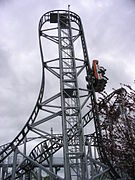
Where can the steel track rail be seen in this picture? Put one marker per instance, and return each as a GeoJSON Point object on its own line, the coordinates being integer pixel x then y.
{"type": "Point", "coordinates": [20, 137]}
{"type": "Point", "coordinates": [100, 104]}
{"type": "Point", "coordinates": [52, 144]}
{"type": "Point", "coordinates": [9, 148]}
{"type": "Point", "coordinates": [49, 146]}
{"type": "Point", "coordinates": [100, 147]}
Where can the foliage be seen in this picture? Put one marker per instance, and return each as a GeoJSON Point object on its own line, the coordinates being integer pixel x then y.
{"type": "Point", "coordinates": [117, 120]}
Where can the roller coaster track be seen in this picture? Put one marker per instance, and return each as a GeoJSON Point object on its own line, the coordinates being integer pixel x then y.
{"type": "Point", "coordinates": [48, 147]}
{"type": "Point", "coordinates": [8, 149]}
{"type": "Point", "coordinates": [52, 144]}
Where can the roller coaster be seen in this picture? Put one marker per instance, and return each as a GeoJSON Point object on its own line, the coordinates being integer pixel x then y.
{"type": "Point", "coordinates": [64, 136]}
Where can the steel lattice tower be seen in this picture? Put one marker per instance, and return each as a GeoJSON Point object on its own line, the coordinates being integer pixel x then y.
{"type": "Point", "coordinates": [71, 102]}
{"type": "Point", "coordinates": [74, 154]}
{"type": "Point", "coordinates": [75, 163]}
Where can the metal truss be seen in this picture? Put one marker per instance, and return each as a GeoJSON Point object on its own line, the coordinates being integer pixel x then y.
{"type": "Point", "coordinates": [68, 106]}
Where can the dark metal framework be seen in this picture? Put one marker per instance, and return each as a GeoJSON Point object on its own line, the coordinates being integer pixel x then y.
{"type": "Point", "coordinates": [72, 104]}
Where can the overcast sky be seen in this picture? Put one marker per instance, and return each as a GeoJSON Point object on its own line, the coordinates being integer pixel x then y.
{"type": "Point", "coordinates": [109, 27]}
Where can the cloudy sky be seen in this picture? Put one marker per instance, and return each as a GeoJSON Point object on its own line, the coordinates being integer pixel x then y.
{"type": "Point", "coordinates": [109, 27]}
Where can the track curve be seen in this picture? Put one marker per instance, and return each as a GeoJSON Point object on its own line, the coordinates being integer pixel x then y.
{"type": "Point", "coordinates": [51, 145]}
{"type": "Point", "coordinates": [8, 148]}
{"type": "Point", "coordinates": [92, 114]}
